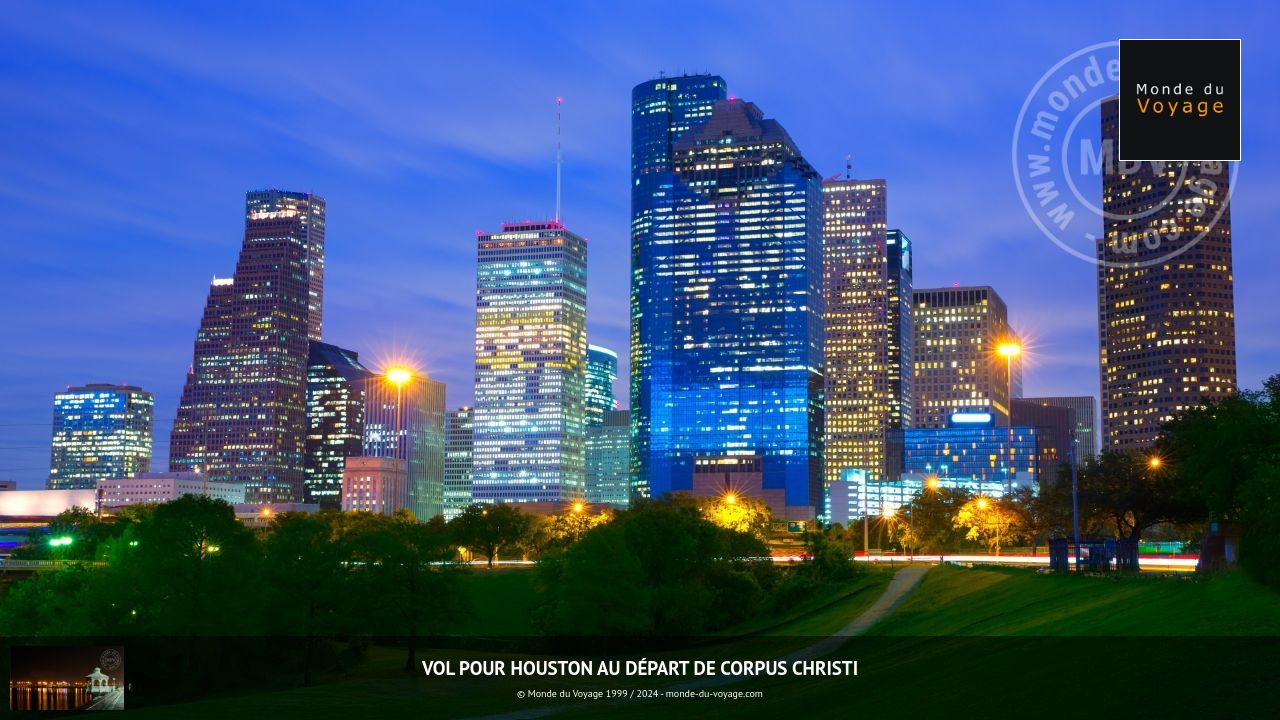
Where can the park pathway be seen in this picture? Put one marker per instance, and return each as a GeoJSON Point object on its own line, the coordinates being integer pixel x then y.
{"type": "Point", "coordinates": [903, 582]}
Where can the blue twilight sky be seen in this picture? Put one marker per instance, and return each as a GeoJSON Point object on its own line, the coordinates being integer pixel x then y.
{"type": "Point", "coordinates": [129, 134]}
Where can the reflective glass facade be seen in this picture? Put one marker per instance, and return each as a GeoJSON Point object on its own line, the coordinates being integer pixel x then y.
{"type": "Point", "coordinates": [609, 460]}
{"type": "Point", "coordinates": [242, 417]}
{"type": "Point", "coordinates": [528, 441]}
{"type": "Point", "coordinates": [981, 451]}
{"type": "Point", "coordinates": [335, 419]}
{"type": "Point", "coordinates": [457, 461]}
{"type": "Point", "coordinates": [602, 370]}
{"type": "Point", "coordinates": [405, 421]}
{"type": "Point", "coordinates": [100, 432]}
{"type": "Point", "coordinates": [727, 308]}
{"type": "Point", "coordinates": [662, 110]}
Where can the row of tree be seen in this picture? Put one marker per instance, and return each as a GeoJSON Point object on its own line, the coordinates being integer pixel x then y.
{"type": "Point", "coordinates": [1215, 465]}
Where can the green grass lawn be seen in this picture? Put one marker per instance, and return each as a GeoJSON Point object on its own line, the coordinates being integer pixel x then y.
{"type": "Point", "coordinates": [501, 602]}
{"type": "Point", "coordinates": [1014, 601]}
{"type": "Point", "coordinates": [968, 642]}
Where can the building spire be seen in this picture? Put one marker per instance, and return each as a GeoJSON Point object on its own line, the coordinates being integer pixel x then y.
{"type": "Point", "coordinates": [848, 167]}
{"type": "Point", "coordinates": [559, 156]}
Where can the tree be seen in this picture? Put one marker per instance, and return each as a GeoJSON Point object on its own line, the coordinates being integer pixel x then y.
{"type": "Point", "coordinates": [660, 567]}
{"type": "Point", "coordinates": [487, 529]}
{"type": "Point", "coordinates": [989, 520]}
{"type": "Point", "coordinates": [1131, 492]}
{"type": "Point", "coordinates": [307, 570]}
{"type": "Point", "coordinates": [1223, 458]}
{"type": "Point", "coordinates": [409, 577]}
{"type": "Point", "coordinates": [740, 513]}
{"type": "Point", "coordinates": [929, 527]}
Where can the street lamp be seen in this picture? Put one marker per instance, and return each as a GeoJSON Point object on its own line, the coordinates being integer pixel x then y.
{"type": "Point", "coordinates": [1009, 350]}
{"type": "Point", "coordinates": [1155, 462]}
{"type": "Point", "coordinates": [730, 498]}
{"type": "Point", "coordinates": [398, 375]}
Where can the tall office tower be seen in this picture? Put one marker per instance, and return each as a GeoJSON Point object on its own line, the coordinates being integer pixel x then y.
{"type": "Point", "coordinates": [335, 419]}
{"type": "Point", "coordinates": [662, 111]}
{"type": "Point", "coordinates": [867, 293]}
{"type": "Point", "coordinates": [404, 420]}
{"type": "Point", "coordinates": [1166, 311]}
{"type": "Point", "coordinates": [1084, 410]}
{"type": "Point", "coordinates": [531, 347]}
{"type": "Point", "coordinates": [727, 289]}
{"type": "Point", "coordinates": [957, 365]}
{"type": "Point", "coordinates": [602, 370]}
{"type": "Point", "coordinates": [300, 216]}
{"type": "Point", "coordinates": [609, 460]}
{"type": "Point", "coordinates": [99, 432]}
{"type": "Point", "coordinates": [242, 417]}
{"type": "Point", "coordinates": [457, 461]}
{"type": "Point", "coordinates": [900, 319]}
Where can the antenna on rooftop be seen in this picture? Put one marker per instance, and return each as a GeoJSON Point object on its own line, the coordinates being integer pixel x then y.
{"type": "Point", "coordinates": [559, 155]}
{"type": "Point", "coordinates": [848, 167]}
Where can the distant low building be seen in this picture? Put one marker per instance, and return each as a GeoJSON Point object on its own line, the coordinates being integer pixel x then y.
{"type": "Point", "coordinates": [163, 487]}
{"type": "Point", "coordinates": [743, 476]}
{"type": "Point", "coordinates": [8, 485]}
{"type": "Point", "coordinates": [972, 446]}
{"type": "Point", "coordinates": [45, 504]}
{"type": "Point", "coordinates": [260, 515]}
{"type": "Point", "coordinates": [375, 484]}
{"type": "Point", "coordinates": [851, 497]}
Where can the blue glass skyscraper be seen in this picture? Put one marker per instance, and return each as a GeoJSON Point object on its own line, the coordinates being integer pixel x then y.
{"type": "Point", "coordinates": [727, 304]}
{"type": "Point", "coordinates": [661, 111]}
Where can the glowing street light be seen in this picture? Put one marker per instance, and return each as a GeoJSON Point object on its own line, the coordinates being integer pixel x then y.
{"type": "Point", "coordinates": [933, 482]}
{"type": "Point", "coordinates": [730, 498]}
{"type": "Point", "coordinates": [61, 541]}
{"type": "Point", "coordinates": [1155, 462]}
{"type": "Point", "coordinates": [398, 375]}
{"type": "Point", "coordinates": [579, 507]}
{"type": "Point", "coordinates": [1009, 350]}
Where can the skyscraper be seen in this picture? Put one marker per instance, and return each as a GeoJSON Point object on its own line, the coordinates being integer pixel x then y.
{"type": "Point", "coordinates": [531, 347]}
{"type": "Point", "coordinates": [867, 290]}
{"type": "Point", "coordinates": [727, 309]}
{"type": "Point", "coordinates": [900, 318]}
{"type": "Point", "coordinates": [609, 460]}
{"type": "Point", "coordinates": [242, 417]}
{"type": "Point", "coordinates": [662, 110]}
{"type": "Point", "coordinates": [457, 461]}
{"type": "Point", "coordinates": [1166, 309]}
{"type": "Point", "coordinates": [404, 419]}
{"type": "Point", "coordinates": [335, 419]}
{"type": "Point", "coordinates": [957, 366]}
{"type": "Point", "coordinates": [602, 370]}
{"type": "Point", "coordinates": [100, 432]}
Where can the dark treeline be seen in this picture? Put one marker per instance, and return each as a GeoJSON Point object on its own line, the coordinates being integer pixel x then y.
{"type": "Point", "coordinates": [212, 603]}
{"type": "Point", "coordinates": [1216, 464]}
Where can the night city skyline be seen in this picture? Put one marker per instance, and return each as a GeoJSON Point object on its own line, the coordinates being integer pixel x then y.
{"type": "Point", "coordinates": [131, 135]}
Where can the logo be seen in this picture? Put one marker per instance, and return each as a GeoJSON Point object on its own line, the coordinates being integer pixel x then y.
{"type": "Point", "coordinates": [110, 659]}
{"type": "Point", "coordinates": [1064, 150]}
{"type": "Point", "coordinates": [1179, 100]}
